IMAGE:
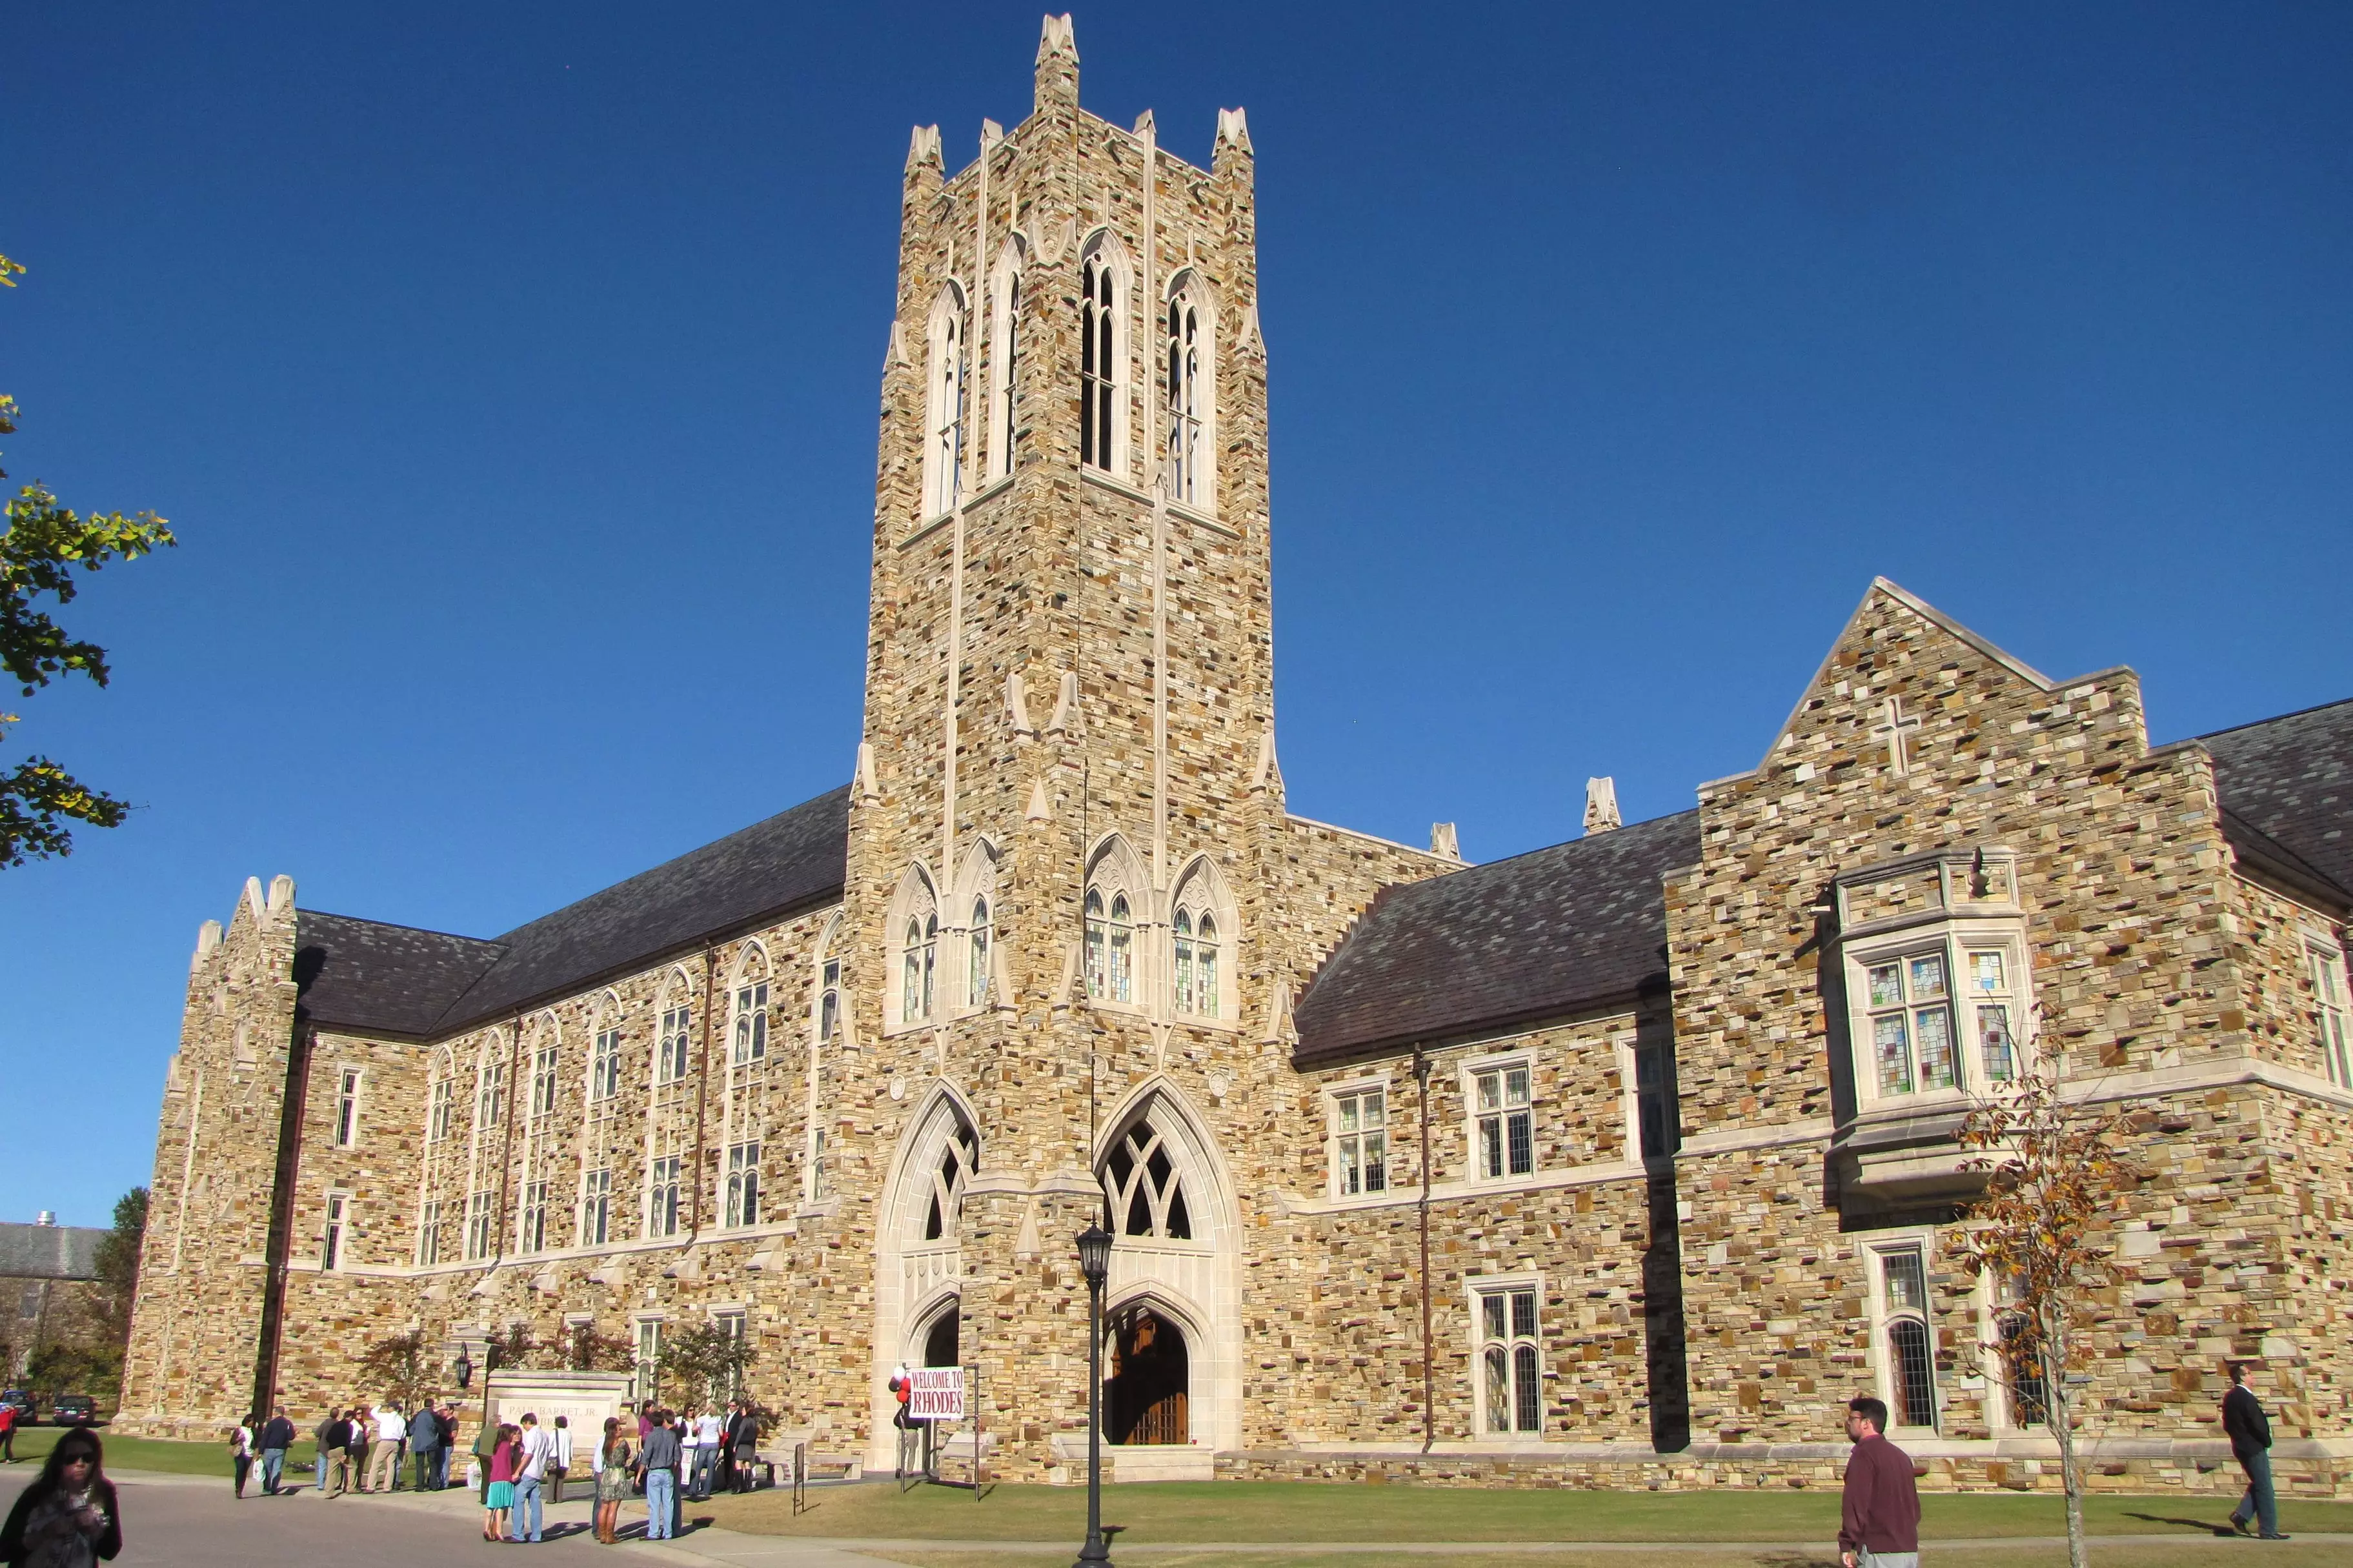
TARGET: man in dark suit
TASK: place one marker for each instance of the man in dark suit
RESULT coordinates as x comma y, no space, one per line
2250,1431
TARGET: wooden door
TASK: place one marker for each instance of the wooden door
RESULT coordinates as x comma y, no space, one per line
1150,1376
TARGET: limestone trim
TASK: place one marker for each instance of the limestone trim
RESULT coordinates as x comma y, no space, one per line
1360,1084
1503,1067
1135,493
2229,1073
1424,853
1600,1173
1200,1279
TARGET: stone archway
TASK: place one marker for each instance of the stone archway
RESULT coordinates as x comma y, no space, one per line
1169,1203
1148,1386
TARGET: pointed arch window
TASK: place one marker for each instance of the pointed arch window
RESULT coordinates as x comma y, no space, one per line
1144,1194
1111,947
955,1169
947,372
1201,930
829,1002
977,969
1102,310
1189,376
919,967
751,1030
1004,361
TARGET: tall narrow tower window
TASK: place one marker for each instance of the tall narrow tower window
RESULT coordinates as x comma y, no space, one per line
1190,387
1003,357
1102,364
922,960
943,423
976,971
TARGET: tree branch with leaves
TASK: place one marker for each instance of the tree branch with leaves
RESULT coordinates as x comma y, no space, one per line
2053,1172
43,545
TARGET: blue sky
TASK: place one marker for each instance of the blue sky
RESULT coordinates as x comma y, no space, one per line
509,375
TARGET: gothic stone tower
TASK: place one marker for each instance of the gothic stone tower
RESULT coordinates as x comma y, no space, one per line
1066,781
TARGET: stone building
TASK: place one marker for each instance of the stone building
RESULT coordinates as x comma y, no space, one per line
48,1279
1617,1162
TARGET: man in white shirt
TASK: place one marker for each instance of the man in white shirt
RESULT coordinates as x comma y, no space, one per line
537,1445
384,1460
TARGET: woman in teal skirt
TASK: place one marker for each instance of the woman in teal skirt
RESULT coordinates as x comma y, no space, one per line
498,1482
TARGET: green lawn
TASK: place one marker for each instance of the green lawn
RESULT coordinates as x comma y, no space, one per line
2156,1555
155,1454
1171,1513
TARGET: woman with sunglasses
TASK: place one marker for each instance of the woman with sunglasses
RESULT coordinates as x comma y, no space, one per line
67,1518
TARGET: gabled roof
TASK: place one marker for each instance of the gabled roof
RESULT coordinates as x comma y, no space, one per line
2290,780
367,975
368,978
1541,935
49,1251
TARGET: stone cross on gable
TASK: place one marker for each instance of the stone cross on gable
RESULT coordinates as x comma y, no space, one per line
1897,729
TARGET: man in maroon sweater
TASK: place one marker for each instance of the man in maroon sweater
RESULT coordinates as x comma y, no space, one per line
1879,1524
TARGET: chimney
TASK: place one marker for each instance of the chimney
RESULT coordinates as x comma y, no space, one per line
1601,805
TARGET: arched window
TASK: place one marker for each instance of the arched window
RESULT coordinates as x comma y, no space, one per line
977,970
1184,930
751,1028
1143,1193
1201,928
1188,367
913,925
921,965
948,1179
829,1002
943,420
1096,942
1103,359
1119,978
1004,360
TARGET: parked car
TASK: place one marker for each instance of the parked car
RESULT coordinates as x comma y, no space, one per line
74,1410
27,1408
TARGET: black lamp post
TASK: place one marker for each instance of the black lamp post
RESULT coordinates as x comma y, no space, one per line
1094,1262
464,1368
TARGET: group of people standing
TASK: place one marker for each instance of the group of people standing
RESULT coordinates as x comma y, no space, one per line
676,1458
358,1448
522,1467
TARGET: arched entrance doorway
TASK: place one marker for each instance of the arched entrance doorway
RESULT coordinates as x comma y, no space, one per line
940,1340
1148,1382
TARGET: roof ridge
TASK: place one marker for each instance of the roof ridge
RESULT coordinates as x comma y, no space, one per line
2274,719
664,865
1549,848
395,925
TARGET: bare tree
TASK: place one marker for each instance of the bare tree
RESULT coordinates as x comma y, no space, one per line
2053,1171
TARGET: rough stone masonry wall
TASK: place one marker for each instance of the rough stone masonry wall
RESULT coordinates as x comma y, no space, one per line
2124,873
1334,1324
196,1325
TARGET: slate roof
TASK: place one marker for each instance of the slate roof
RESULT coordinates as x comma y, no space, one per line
2290,780
49,1251
1437,958
366,977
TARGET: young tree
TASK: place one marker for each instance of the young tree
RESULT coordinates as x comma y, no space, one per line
2053,1171
586,1350
703,1361
402,1367
515,1348
42,545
